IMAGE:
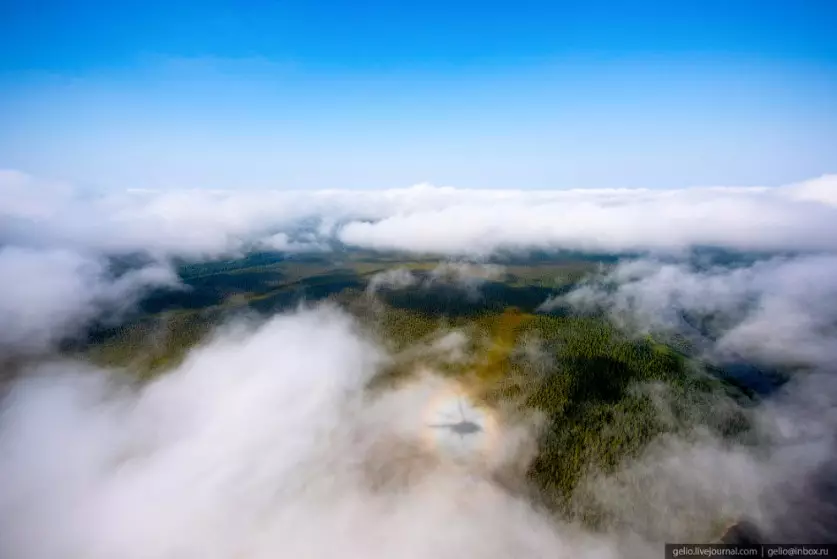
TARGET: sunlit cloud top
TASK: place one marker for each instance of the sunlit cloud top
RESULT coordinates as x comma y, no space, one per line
422,219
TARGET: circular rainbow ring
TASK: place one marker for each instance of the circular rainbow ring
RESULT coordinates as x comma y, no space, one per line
453,424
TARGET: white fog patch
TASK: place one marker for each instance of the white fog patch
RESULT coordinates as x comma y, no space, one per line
467,274
784,484
781,310
48,294
282,242
464,275
396,278
452,346
774,312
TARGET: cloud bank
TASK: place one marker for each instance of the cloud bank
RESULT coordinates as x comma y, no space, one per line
200,223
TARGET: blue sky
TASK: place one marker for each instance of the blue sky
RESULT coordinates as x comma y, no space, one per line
386,94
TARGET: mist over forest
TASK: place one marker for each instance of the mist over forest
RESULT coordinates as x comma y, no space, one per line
414,372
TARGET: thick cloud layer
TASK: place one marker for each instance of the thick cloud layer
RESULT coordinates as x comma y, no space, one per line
748,219
200,223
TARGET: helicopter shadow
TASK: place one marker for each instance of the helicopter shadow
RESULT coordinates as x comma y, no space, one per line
463,427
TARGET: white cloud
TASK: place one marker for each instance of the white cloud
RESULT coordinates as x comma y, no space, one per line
282,242
396,278
754,219
780,311
464,275
465,272
46,295
426,218
822,189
